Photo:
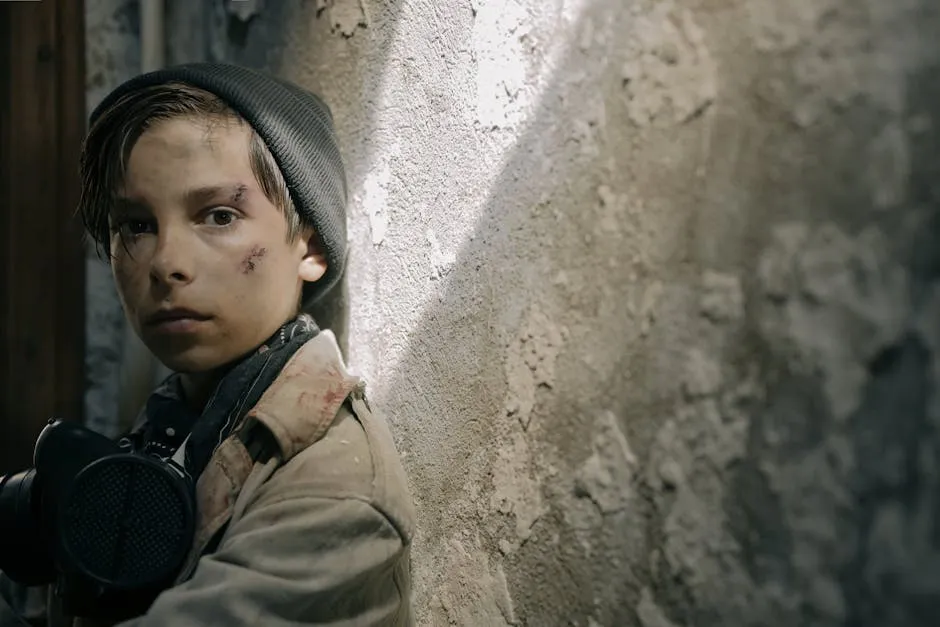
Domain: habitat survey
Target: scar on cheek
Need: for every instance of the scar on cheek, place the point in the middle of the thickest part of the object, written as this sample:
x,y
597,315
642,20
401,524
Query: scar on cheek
x,y
251,262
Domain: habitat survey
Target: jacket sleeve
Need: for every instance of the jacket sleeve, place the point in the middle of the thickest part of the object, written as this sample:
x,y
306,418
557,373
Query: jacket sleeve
x,y
294,559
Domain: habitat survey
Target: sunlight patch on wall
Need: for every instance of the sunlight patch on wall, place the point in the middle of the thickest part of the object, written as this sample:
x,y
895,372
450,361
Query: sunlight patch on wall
x,y
459,91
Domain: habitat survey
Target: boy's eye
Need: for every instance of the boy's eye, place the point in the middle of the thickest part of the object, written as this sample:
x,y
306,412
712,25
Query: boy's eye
x,y
220,217
134,227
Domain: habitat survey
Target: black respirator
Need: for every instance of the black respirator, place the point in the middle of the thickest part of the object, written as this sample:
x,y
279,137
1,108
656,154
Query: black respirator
x,y
109,526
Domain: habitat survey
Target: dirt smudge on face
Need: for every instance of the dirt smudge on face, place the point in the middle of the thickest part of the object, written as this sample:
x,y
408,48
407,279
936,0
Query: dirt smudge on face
x,y
251,262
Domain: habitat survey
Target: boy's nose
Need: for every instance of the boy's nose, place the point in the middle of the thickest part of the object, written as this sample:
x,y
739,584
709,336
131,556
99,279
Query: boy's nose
x,y
171,262
172,277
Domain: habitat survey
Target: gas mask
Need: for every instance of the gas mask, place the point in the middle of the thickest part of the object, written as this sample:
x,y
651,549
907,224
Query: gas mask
x,y
109,527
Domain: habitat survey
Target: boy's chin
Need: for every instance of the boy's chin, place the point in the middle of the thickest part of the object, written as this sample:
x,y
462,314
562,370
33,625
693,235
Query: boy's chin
x,y
194,361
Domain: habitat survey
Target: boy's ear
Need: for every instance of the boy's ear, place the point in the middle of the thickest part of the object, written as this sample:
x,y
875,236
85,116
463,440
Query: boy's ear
x,y
313,263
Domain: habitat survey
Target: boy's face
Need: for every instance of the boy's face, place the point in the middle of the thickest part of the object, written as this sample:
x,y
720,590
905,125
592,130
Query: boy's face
x,y
201,258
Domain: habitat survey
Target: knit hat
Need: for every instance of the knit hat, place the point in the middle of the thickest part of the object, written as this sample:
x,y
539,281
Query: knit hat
x,y
297,128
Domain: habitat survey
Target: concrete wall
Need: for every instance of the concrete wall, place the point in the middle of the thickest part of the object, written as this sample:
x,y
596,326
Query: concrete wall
x,y
648,290
112,55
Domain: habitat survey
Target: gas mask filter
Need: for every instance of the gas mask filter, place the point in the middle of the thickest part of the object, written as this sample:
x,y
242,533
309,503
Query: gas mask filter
x,y
95,517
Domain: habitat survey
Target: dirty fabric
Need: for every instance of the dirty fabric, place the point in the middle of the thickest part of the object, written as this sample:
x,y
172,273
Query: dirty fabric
x,y
167,419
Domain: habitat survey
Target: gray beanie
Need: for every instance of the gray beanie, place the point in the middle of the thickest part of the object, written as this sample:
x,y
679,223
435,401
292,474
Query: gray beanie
x,y
298,129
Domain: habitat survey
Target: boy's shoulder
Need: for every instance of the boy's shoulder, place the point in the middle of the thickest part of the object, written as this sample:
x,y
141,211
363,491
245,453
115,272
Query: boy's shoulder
x,y
333,444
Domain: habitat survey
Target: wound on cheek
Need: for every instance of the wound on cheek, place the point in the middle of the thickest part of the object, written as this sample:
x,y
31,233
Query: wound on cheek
x,y
251,262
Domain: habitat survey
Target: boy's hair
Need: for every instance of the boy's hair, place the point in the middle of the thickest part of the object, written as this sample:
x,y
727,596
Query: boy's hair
x,y
112,136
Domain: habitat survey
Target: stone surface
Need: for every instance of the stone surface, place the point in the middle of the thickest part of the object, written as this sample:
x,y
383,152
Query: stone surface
x,y
112,43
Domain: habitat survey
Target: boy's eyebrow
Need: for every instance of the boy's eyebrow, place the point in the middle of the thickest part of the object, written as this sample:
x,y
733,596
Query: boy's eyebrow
x,y
210,193
122,204
231,194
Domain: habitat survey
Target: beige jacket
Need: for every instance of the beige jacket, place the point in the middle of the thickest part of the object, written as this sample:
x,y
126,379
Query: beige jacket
x,y
318,535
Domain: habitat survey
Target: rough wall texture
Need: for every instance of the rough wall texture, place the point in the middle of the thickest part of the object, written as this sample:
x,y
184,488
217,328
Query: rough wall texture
x,y
649,291
112,51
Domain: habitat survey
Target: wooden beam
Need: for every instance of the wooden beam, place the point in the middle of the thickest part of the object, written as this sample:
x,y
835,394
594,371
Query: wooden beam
x,y
42,121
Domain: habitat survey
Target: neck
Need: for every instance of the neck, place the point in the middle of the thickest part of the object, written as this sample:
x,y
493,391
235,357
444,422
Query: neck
x,y
199,386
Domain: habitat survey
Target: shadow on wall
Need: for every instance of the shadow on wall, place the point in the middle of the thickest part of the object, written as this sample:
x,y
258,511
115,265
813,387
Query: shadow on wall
x,y
494,430
515,525
513,362
836,493
577,325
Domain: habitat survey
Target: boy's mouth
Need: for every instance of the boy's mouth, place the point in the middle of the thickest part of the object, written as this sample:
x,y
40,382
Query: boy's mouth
x,y
175,320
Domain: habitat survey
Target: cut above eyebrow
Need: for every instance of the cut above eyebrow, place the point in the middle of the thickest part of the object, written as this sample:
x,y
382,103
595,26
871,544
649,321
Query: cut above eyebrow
x,y
229,194
214,193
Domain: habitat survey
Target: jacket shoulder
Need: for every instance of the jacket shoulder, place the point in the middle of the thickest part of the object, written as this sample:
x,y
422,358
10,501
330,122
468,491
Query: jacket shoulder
x,y
331,443
355,459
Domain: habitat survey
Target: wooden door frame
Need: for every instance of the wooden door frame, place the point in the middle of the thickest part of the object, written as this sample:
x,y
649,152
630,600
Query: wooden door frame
x,y
42,282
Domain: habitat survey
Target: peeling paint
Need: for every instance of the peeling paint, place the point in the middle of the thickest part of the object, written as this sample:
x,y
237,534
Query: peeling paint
x,y
702,375
476,594
374,201
607,476
722,297
834,301
502,63
530,363
516,491
839,53
649,613
669,76
346,16
782,26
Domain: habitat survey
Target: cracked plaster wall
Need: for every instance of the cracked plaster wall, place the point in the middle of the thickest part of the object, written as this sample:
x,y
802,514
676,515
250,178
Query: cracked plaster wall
x,y
649,291
112,55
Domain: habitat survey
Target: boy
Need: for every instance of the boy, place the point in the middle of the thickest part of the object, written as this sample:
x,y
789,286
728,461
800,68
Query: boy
x,y
219,194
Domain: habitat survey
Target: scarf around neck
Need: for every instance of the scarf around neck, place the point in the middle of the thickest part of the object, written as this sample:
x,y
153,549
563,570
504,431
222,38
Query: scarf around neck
x,y
168,419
